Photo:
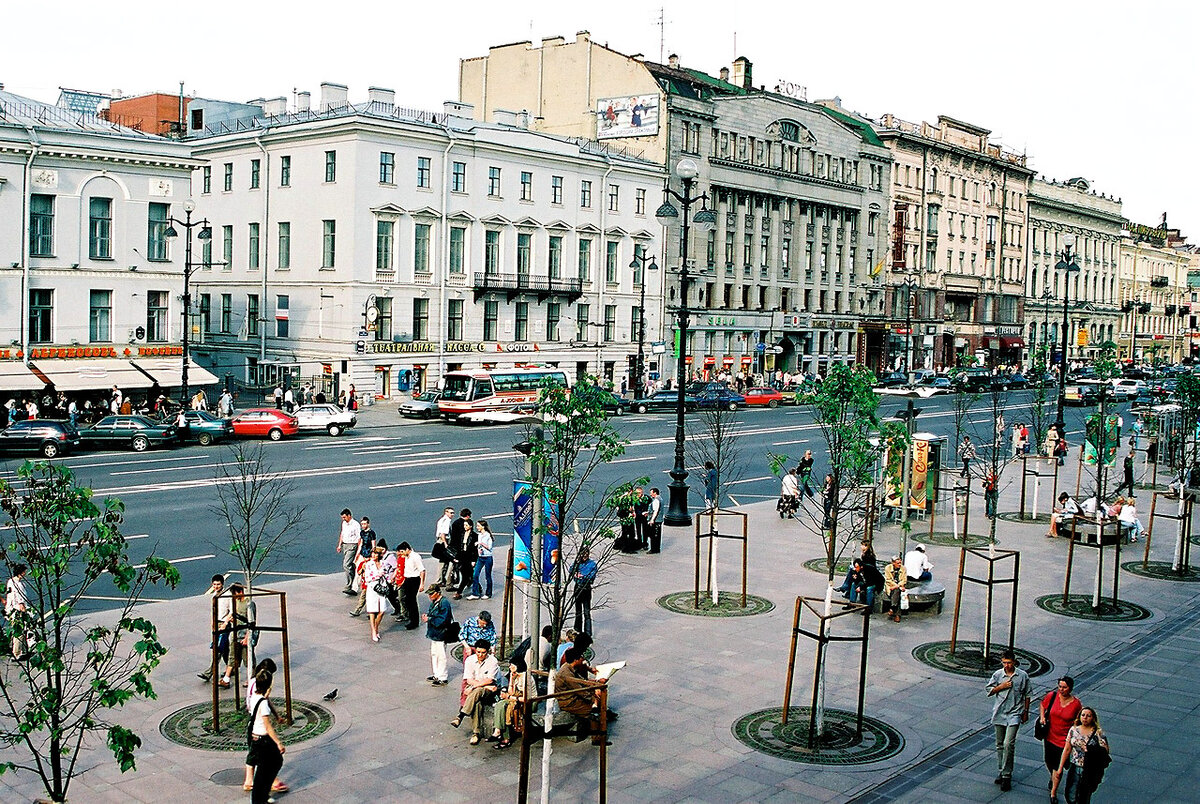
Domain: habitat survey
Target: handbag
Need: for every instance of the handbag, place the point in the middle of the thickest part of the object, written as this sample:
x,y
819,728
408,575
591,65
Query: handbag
x,y
1042,730
251,743
453,629
904,600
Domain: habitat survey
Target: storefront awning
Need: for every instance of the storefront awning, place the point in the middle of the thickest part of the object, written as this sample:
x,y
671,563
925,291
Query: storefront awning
x,y
168,371
91,375
17,377
1013,342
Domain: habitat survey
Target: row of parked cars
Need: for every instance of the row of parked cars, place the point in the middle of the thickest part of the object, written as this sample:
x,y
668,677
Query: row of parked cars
x,y
51,437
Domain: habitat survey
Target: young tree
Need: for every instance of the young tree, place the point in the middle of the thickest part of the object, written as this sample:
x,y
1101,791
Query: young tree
x,y
1039,420
1187,390
715,441
77,668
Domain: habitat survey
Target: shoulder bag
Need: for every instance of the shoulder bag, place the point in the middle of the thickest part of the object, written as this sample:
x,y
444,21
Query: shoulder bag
x,y
251,743
1042,730
452,632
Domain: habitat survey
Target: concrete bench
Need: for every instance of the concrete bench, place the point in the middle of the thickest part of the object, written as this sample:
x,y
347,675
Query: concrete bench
x,y
926,595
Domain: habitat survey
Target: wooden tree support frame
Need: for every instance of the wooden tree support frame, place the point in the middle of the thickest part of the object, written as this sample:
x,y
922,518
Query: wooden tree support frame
x,y
527,728
1037,473
1189,501
950,492
508,608
992,557
235,682
713,515
822,637
1110,536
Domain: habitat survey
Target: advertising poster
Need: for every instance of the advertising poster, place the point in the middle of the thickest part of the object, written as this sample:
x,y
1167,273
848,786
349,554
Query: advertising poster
x,y
1112,439
523,534
632,116
919,489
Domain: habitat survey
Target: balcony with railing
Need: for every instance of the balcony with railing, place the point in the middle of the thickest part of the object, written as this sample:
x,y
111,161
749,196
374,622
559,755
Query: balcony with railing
x,y
514,285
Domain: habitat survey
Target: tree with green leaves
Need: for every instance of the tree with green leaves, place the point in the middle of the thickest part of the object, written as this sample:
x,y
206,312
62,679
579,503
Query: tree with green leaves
x,y
77,667
1187,391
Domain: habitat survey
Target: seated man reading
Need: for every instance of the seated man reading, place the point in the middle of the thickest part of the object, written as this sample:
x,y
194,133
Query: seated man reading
x,y
584,700
1067,508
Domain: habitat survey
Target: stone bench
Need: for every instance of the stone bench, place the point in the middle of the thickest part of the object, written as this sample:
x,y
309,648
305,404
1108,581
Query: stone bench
x,y
921,596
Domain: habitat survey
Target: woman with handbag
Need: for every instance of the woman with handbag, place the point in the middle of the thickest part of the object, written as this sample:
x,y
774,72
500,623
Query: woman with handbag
x,y
375,575
267,664
506,712
1084,757
1057,713
266,748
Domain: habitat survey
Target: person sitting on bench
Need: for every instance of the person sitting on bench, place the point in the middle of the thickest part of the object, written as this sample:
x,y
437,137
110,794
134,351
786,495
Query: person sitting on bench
x,y
1067,508
917,565
584,699
1131,528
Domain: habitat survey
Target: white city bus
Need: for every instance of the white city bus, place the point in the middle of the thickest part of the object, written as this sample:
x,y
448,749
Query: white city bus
x,y
481,390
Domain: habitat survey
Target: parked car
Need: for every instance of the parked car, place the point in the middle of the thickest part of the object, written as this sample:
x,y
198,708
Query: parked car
x,y
892,379
697,387
1017,381
45,436
421,406
1126,388
269,422
933,384
723,399
613,405
797,393
973,380
763,397
330,418
1081,393
204,428
662,400
135,432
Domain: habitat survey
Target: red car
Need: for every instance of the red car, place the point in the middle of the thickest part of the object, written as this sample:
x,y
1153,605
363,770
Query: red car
x,y
763,396
269,422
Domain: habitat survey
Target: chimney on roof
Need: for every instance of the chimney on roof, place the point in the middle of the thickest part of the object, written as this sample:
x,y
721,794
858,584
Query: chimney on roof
x,y
333,96
742,73
459,109
274,107
504,117
303,101
385,97
673,60
724,73
550,41
583,36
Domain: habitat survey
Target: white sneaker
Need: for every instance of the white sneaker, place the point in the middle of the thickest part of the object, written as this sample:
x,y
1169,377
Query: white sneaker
x,y
486,597
472,597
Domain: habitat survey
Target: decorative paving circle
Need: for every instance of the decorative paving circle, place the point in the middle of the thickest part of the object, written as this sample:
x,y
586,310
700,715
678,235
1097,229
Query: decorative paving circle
x,y
968,659
821,567
1080,606
1028,519
730,604
945,538
191,726
764,732
1161,570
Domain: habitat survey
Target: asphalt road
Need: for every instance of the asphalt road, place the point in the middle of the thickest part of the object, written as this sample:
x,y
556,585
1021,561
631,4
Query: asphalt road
x,y
402,473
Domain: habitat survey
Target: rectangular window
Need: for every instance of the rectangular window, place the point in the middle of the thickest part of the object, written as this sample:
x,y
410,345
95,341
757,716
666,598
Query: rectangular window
x,y
454,320
384,233
553,316
638,263
206,179
556,189
328,243
227,247
585,259
614,198
205,313
491,320
585,194
526,185
610,261
100,316
421,248
635,322
420,319
383,322
253,252
458,241
330,166
711,249
524,255
785,257
228,177
100,228
639,201
554,261
226,313
423,171
494,182
285,171
41,315
41,225
285,245
156,232
387,167
610,322
281,316
156,315
522,331
255,173
491,252
582,317
252,314
458,178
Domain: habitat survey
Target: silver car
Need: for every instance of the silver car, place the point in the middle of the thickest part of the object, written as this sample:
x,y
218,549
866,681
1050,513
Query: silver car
x,y
422,406
329,418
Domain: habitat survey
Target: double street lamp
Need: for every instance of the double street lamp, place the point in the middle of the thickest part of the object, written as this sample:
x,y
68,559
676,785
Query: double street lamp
x,y
908,333
639,265
705,221
1133,307
1068,265
189,206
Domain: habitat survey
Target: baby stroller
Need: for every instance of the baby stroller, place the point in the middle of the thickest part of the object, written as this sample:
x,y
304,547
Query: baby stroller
x,y
788,505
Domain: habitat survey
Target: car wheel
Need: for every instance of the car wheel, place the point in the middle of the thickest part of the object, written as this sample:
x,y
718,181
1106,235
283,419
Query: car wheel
x,y
275,434
49,450
204,439
732,406
140,443
334,430
641,408
427,414
620,411
774,403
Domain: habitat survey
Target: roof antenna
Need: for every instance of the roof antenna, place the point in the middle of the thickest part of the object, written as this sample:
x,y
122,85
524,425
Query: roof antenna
x,y
662,33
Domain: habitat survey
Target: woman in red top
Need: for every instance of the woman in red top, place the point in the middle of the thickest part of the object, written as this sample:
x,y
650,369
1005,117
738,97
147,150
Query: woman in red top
x,y
1059,708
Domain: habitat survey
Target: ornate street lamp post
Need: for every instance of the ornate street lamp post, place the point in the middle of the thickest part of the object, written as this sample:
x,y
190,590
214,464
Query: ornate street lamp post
x,y
639,264
1068,265
189,206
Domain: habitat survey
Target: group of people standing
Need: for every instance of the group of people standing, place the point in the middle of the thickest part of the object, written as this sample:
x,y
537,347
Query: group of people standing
x,y
641,519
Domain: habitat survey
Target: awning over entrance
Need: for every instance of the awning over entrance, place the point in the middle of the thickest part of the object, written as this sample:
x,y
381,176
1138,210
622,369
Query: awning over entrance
x,y
17,377
168,371
92,375
1014,342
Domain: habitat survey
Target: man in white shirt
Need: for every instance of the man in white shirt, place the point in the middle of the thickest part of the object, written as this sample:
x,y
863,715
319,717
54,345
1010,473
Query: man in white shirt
x,y
479,675
917,566
655,516
216,589
414,582
442,536
16,602
349,537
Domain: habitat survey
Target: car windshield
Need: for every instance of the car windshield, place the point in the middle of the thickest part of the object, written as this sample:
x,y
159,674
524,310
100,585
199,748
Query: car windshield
x,y
457,389
428,396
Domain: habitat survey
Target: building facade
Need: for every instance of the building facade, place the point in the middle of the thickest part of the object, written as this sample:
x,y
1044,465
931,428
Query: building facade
x,y
956,268
1096,295
370,245
799,191
1157,325
88,272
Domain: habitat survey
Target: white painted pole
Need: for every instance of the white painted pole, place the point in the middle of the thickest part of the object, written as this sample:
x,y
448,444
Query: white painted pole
x,y
712,577
1177,558
1099,560
1037,486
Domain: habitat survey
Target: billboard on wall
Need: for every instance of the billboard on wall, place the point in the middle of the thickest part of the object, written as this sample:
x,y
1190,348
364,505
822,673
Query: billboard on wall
x,y
630,116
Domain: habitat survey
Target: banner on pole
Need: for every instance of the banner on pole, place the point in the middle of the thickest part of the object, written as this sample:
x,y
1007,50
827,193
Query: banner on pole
x,y
523,534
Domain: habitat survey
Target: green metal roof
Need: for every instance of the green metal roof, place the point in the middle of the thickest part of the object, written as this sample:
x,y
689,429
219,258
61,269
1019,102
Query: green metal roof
x,y
863,127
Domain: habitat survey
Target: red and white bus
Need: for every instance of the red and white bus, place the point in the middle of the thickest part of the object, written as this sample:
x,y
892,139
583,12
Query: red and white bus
x,y
495,389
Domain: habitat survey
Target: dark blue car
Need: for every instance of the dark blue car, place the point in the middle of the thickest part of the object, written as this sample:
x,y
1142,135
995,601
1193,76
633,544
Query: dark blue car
x,y
721,398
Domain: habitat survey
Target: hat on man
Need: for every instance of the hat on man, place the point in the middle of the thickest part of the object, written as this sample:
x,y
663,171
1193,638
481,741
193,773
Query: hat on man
x,y
921,547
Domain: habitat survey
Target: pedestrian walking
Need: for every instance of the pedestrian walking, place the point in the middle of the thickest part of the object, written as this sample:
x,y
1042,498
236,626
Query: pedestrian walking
x,y
374,577
1010,687
789,495
827,496
441,542
221,628
804,472
414,581
241,629
583,575
16,610
277,395
349,538
656,515
1056,714
1127,481
462,548
710,486
438,620
1085,757
266,747
484,542
966,454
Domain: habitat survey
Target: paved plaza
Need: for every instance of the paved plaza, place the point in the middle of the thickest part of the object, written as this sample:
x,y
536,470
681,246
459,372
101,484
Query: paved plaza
x,y
689,680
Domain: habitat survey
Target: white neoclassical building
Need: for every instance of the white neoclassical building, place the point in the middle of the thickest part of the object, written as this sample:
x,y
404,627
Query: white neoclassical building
x,y
378,246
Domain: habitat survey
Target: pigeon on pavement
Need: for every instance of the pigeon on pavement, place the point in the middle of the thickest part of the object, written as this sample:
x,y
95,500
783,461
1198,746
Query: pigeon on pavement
x,y
329,696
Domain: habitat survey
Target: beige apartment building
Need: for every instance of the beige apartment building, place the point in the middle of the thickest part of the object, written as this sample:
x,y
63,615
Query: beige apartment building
x,y
1158,324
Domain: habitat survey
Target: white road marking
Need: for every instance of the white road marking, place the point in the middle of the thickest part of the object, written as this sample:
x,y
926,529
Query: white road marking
x,y
750,480
498,516
401,485
785,443
179,560
463,496
636,460
734,500
140,599
161,469
145,460
127,538
281,574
